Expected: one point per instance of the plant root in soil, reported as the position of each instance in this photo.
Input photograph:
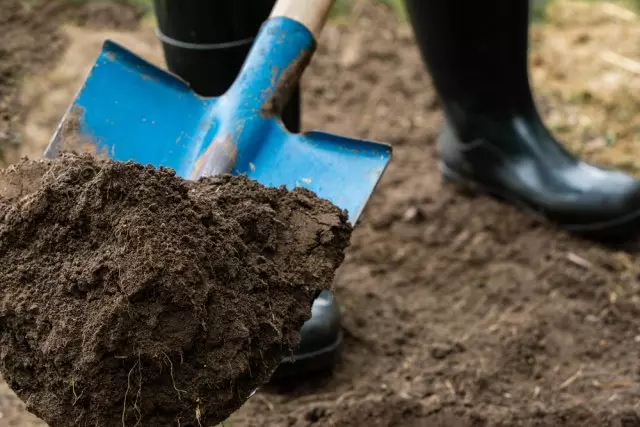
(133, 297)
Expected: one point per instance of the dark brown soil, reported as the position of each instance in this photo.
(31, 39)
(459, 311)
(132, 297)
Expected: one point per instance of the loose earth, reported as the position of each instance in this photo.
(130, 296)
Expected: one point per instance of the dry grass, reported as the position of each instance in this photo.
(585, 67)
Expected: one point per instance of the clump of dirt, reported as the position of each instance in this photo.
(132, 297)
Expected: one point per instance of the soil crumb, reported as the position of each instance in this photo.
(133, 297)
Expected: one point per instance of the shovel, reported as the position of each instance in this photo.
(128, 109)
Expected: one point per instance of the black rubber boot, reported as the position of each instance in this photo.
(494, 139)
(205, 43)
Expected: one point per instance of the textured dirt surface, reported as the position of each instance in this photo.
(21, 29)
(31, 40)
(458, 311)
(133, 297)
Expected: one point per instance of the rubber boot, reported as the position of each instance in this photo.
(205, 43)
(493, 138)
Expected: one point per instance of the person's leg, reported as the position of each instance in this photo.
(493, 138)
(205, 43)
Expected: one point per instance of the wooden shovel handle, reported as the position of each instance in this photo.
(310, 13)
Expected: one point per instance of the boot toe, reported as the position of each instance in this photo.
(320, 340)
(609, 201)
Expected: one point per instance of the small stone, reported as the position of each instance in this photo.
(414, 215)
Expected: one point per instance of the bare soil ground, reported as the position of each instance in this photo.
(458, 310)
(586, 62)
(32, 41)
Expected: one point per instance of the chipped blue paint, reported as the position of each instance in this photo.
(133, 110)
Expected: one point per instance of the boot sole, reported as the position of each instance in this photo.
(619, 227)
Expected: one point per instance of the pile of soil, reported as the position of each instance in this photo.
(132, 297)
(31, 40)
(459, 311)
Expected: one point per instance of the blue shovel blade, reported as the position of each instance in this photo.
(129, 109)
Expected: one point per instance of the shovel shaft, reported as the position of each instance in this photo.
(241, 119)
(310, 13)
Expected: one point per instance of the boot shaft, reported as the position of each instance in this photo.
(476, 53)
(211, 22)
